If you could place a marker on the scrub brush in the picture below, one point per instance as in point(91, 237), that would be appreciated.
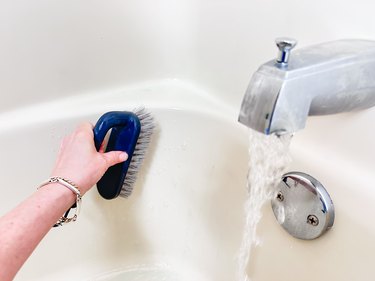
point(130, 132)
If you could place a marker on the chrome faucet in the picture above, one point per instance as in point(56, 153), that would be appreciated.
point(328, 78)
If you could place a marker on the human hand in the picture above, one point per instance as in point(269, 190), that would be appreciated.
point(79, 161)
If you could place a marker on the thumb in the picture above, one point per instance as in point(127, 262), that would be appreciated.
point(114, 157)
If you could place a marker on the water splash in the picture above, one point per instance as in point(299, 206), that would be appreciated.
point(268, 159)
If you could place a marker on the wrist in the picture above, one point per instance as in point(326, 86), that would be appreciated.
point(56, 191)
point(77, 180)
point(72, 189)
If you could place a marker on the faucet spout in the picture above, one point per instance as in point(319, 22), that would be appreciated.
point(329, 78)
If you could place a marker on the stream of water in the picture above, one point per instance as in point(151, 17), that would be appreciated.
point(268, 160)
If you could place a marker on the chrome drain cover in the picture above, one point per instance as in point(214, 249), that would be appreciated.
point(302, 206)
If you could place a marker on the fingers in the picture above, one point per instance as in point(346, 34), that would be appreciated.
point(114, 157)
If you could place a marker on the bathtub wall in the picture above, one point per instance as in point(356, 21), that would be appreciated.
point(53, 49)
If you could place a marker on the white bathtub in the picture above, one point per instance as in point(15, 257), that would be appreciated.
point(185, 218)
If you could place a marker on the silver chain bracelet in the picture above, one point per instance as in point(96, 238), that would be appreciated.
point(77, 205)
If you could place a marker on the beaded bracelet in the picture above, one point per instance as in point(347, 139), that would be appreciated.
point(77, 205)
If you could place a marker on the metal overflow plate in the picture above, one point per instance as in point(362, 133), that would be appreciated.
point(302, 206)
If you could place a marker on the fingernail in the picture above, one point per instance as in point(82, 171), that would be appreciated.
point(123, 156)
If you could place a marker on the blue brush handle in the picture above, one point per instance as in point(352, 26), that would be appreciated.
point(124, 135)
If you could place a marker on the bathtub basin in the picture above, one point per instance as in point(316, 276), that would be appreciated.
point(185, 219)
point(338, 151)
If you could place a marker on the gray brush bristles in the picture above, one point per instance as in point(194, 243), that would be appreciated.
point(147, 128)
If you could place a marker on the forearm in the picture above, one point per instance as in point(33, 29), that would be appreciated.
point(23, 228)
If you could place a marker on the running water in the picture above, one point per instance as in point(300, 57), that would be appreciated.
point(269, 158)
